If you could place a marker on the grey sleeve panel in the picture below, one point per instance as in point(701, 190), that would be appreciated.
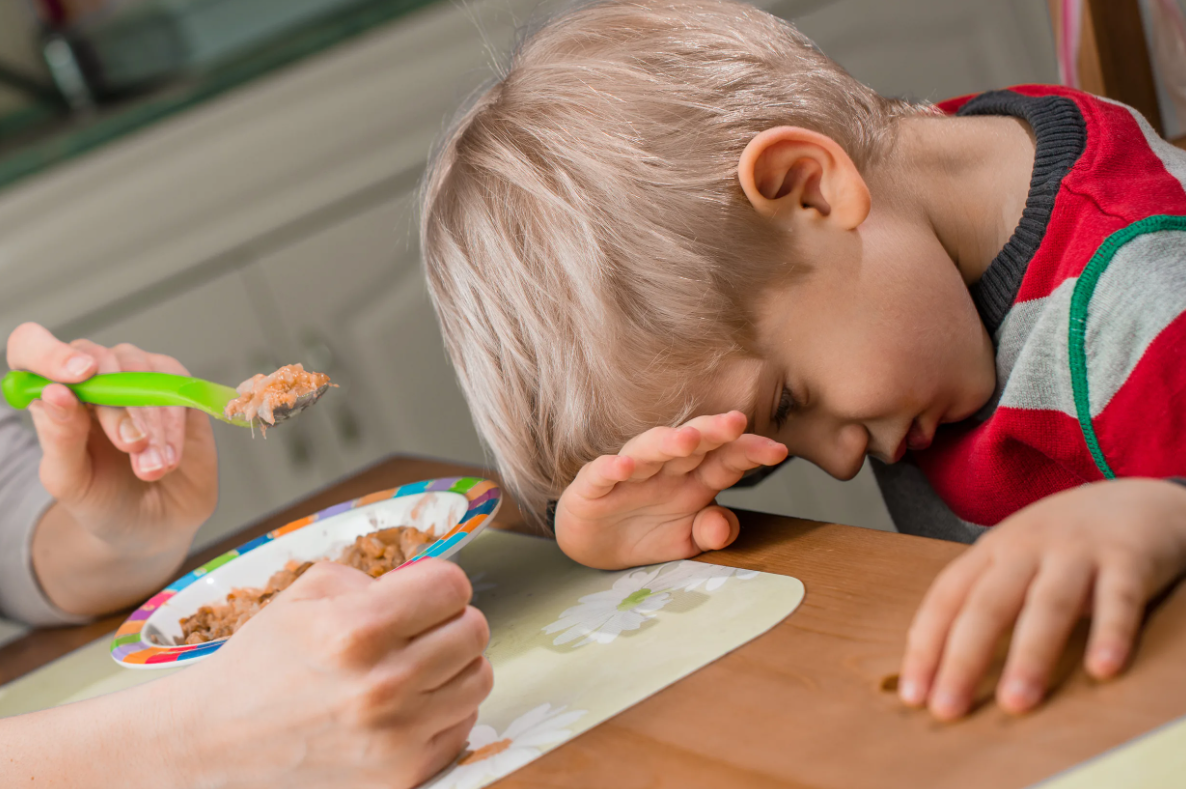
point(23, 501)
point(916, 508)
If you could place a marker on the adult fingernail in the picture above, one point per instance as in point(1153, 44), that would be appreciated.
point(911, 692)
point(170, 455)
point(1022, 692)
point(150, 460)
point(128, 430)
point(79, 364)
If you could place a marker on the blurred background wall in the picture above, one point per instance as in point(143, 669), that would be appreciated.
point(18, 48)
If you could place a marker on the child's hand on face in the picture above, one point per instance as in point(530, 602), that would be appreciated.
point(344, 680)
point(1105, 548)
point(655, 500)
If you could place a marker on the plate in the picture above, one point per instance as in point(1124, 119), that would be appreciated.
point(454, 510)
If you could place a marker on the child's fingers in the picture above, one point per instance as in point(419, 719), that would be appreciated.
point(992, 606)
point(1052, 607)
point(724, 467)
point(715, 430)
point(656, 447)
point(1119, 604)
point(714, 528)
point(932, 624)
point(599, 477)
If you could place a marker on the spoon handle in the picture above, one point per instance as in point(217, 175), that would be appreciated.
point(117, 389)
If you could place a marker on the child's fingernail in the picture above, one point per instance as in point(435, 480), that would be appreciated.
point(128, 430)
point(911, 692)
point(1022, 692)
point(1108, 658)
point(170, 455)
point(150, 460)
point(79, 364)
point(947, 704)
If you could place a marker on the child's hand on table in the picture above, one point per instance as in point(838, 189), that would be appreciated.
point(343, 681)
point(654, 501)
point(1105, 548)
point(131, 486)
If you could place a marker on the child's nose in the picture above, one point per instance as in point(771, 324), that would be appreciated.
point(846, 451)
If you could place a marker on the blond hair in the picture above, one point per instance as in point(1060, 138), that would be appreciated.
point(588, 248)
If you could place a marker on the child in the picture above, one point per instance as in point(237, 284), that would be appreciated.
point(680, 213)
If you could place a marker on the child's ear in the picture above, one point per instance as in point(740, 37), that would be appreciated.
point(788, 169)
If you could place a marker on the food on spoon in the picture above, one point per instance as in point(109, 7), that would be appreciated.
point(262, 396)
point(374, 554)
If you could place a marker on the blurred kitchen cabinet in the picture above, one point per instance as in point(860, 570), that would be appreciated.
point(353, 303)
point(217, 332)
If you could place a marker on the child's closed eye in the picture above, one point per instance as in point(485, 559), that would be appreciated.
point(786, 404)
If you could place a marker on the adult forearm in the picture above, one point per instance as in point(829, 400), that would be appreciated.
point(127, 739)
point(86, 575)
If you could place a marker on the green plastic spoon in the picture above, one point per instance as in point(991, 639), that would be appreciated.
point(147, 389)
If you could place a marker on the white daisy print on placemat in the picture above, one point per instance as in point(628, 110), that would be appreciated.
point(603, 616)
point(491, 756)
point(689, 576)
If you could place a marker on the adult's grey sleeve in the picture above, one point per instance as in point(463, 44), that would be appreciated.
point(23, 501)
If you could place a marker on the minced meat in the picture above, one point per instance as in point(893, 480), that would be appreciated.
point(375, 553)
point(261, 395)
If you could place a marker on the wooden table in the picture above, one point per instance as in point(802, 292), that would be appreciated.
point(802, 706)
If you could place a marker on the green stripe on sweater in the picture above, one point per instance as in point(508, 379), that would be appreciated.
point(1077, 340)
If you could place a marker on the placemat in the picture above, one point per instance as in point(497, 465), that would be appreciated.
point(570, 646)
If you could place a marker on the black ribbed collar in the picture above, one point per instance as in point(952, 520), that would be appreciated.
point(1061, 137)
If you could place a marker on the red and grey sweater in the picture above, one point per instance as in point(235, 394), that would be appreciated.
point(1086, 305)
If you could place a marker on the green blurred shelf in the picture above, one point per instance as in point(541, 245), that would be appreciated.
point(33, 140)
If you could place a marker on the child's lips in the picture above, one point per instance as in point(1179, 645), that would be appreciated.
point(918, 438)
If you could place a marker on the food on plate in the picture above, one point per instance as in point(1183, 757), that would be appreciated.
point(381, 551)
point(273, 398)
point(374, 554)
